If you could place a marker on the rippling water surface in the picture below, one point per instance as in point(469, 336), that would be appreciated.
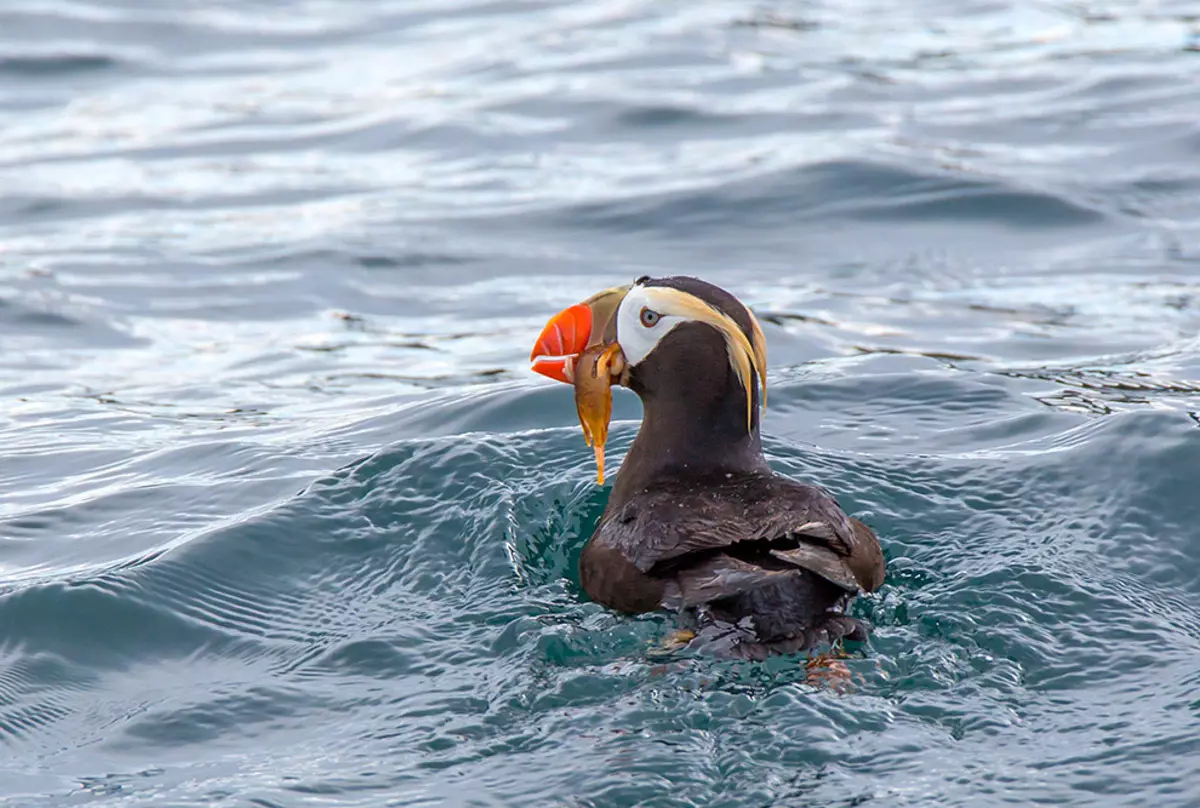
point(285, 520)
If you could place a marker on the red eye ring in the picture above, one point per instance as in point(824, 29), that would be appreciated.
point(649, 317)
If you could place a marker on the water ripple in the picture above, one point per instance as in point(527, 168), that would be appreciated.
point(284, 520)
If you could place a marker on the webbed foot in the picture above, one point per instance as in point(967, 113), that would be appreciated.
point(674, 641)
point(828, 670)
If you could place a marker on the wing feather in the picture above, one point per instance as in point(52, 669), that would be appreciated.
point(679, 525)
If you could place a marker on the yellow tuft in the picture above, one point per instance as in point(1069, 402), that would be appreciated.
point(743, 355)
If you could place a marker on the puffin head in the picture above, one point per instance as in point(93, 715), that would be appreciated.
point(693, 353)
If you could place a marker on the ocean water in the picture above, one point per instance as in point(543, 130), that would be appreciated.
point(286, 521)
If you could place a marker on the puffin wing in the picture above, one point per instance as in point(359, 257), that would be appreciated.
point(718, 576)
point(743, 532)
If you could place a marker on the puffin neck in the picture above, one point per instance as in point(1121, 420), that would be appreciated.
point(694, 429)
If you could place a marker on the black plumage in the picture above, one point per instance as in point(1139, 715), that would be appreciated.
point(698, 522)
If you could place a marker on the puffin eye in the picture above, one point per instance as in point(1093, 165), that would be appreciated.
point(650, 317)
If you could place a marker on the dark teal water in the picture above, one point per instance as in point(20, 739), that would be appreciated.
point(285, 521)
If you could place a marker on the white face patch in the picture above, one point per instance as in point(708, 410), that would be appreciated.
point(637, 332)
point(649, 313)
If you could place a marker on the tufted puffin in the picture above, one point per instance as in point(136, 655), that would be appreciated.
point(697, 522)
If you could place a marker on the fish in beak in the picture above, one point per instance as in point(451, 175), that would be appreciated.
point(579, 347)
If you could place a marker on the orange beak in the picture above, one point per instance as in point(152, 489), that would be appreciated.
point(561, 342)
point(573, 330)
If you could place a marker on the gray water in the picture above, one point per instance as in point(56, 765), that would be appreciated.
point(285, 520)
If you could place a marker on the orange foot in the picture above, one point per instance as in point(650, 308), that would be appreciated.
point(678, 639)
point(827, 670)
